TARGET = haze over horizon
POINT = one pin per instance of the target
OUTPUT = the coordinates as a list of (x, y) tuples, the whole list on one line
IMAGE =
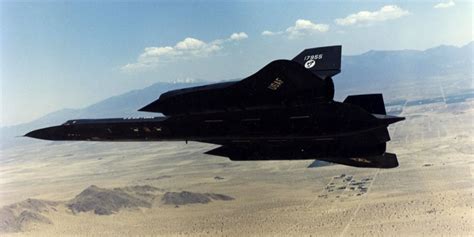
[(70, 55)]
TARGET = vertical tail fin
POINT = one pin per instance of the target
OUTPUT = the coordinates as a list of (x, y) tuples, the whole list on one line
[(372, 103), (324, 61)]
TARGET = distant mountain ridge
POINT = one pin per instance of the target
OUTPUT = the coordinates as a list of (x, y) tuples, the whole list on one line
[(376, 67), (373, 69)]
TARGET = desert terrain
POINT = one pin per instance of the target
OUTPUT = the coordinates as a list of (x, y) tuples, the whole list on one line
[(173, 189)]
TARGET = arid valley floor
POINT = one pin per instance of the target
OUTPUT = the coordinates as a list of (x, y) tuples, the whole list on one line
[(173, 189)]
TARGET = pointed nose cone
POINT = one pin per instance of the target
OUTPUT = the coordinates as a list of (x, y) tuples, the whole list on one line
[(50, 133)]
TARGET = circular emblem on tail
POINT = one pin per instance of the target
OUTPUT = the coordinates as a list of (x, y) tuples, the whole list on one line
[(310, 64)]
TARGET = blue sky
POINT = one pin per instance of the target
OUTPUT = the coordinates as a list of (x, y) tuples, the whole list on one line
[(71, 54)]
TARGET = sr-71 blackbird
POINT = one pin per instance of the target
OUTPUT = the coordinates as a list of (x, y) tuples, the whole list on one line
[(285, 111)]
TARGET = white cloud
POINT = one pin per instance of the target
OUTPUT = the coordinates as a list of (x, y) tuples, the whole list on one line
[(304, 27), (190, 44), (450, 3), (238, 36), (267, 32), (385, 13), (300, 28), (185, 49), (270, 33)]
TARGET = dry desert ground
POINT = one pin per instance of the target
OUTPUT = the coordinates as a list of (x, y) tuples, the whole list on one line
[(173, 189)]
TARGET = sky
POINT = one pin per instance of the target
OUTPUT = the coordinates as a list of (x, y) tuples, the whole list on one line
[(70, 54)]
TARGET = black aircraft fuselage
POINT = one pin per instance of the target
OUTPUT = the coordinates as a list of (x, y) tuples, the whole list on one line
[(285, 111)]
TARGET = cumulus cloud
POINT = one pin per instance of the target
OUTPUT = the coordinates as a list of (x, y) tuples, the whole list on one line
[(303, 27), (300, 28), (385, 13), (445, 4), (270, 33), (238, 36), (190, 47)]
